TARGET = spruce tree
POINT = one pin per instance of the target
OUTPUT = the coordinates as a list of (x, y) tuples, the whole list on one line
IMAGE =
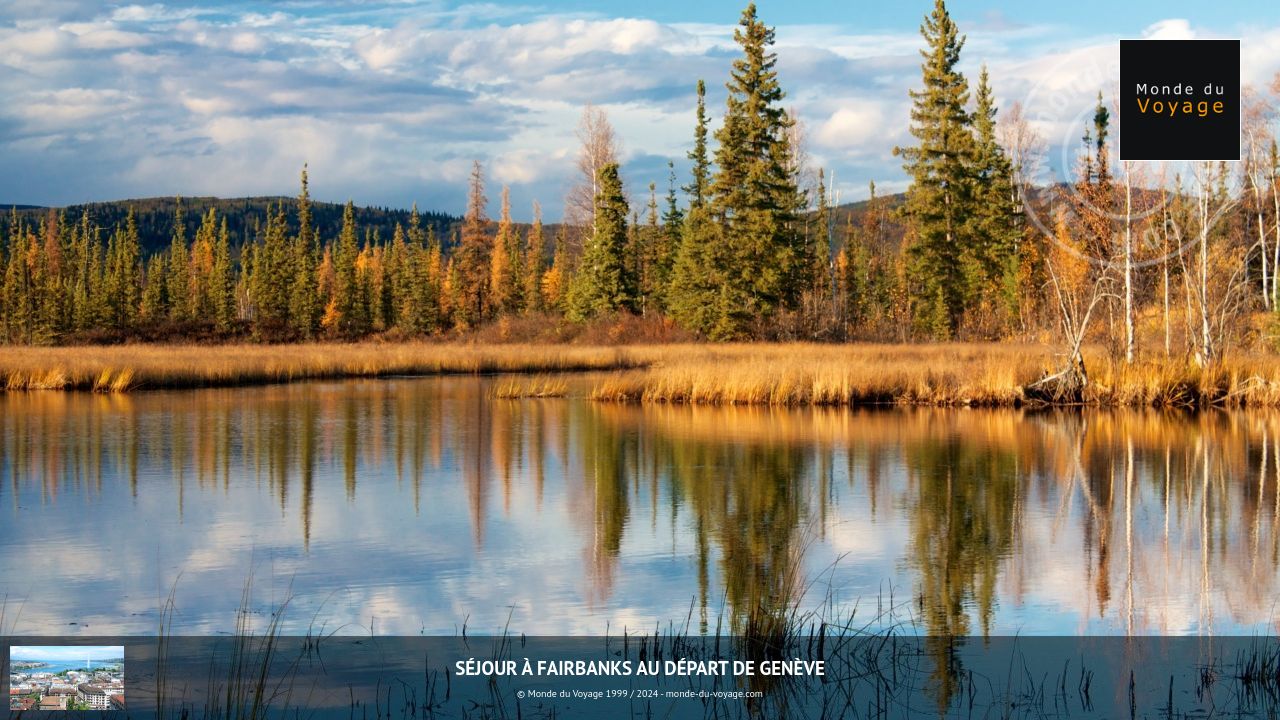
[(754, 196), (603, 283), (18, 296), (994, 223), (48, 280), (700, 187), (155, 299), (643, 247), (98, 311), (431, 283), (419, 284), (940, 200), (693, 295), (534, 263), (346, 291), (668, 242), (80, 275), (820, 255), (128, 271), (222, 280), (178, 277), (399, 270), (270, 282), (201, 263), (304, 305)]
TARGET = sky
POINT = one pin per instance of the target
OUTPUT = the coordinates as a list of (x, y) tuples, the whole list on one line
[(66, 653), (390, 101)]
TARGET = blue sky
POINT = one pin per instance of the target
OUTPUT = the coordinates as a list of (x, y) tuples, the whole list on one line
[(389, 101), (66, 653)]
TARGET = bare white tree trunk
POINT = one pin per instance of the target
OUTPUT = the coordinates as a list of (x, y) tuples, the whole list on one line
[(1128, 264), (600, 147), (1206, 336), (1165, 267), (1275, 259), (1254, 173)]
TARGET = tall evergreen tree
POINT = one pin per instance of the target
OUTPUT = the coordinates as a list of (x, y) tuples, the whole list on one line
[(222, 280), (347, 298), (603, 283), (19, 294), (178, 277), (821, 285), (304, 300), (534, 263), (754, 196), (940, 200), (667, 242), (994, 225), (201, 266), (643, 249), (700, 187), (270, 282), (155, 299), (693, 296), (48, 279)]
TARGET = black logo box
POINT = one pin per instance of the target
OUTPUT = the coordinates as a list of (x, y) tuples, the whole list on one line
[(1188, 66)]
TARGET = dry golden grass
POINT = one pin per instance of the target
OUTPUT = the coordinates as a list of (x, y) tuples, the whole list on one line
[(985, 375), (1248, 380), (121, 368), (803, 374), (765, 374), (540, 386)]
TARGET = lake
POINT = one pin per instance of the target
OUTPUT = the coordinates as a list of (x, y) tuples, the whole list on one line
[(424, 505)]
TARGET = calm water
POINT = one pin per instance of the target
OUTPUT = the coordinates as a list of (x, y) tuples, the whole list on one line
[(423, 505)]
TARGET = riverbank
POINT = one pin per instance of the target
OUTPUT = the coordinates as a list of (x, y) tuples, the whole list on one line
[(764, 374), (122, 368), (977, 375)]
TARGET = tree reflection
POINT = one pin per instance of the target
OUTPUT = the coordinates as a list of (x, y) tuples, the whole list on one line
[(1119, 521)]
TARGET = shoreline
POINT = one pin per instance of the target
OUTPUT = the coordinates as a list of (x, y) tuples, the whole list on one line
[(991, 375)]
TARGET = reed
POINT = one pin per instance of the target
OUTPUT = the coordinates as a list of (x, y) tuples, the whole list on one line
[(763, 374), (122, 368), (953, 375), (834, 375), (539, 386)]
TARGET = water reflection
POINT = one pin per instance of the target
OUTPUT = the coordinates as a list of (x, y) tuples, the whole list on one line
[(420, 505)]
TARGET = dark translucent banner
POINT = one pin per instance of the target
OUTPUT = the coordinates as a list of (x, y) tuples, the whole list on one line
[(813, 675)]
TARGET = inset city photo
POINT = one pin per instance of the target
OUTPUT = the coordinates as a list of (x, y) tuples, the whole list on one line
[(66, 677)]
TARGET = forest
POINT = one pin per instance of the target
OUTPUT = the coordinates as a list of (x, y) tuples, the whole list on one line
[(1133, 258)]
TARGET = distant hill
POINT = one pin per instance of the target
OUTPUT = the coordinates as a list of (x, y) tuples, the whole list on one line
[(841, 215), (244, 217)]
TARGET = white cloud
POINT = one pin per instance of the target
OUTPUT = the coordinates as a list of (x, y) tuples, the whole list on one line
[(247, 42), (34, 44), (104, 36), (418, 92), (851, 127), (1172, 29), (207, 105)]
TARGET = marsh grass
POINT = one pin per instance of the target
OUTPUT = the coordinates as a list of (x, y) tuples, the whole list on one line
[(539, 386), (760, 374), (949, 375), (877, 665), (121, 368)]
